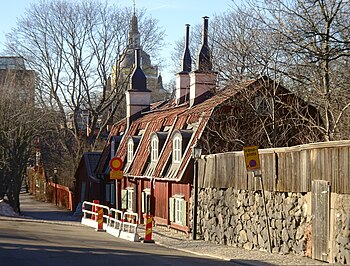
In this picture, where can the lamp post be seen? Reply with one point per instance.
(55, 180)
(196, 154)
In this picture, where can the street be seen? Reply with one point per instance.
(30, 242)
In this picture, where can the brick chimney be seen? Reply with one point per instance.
(202, 80)
(138, 97)
(183, 77)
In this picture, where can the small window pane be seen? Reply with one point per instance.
(130, 151)
(177, 149)
(154, 149)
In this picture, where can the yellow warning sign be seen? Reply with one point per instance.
(251, 156)
(116, 174)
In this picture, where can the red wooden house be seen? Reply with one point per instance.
(155, 141)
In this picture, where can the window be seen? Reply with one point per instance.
(129, 199)
(177, 148)
(146, 201)
(178, 210)
(130, 153)
(154, 148)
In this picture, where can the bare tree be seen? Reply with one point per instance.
(315, 45)
(263, 113)
(303, 45)
(73, 47)
(20, 124)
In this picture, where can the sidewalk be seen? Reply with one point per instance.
(171, 239)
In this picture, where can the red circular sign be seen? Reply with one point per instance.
(116, 163)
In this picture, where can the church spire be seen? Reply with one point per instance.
(134, 34)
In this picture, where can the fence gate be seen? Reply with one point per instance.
(320, 219)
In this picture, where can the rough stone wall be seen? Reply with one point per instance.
(341, 249)
(237, 218)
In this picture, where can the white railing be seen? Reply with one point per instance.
(129, 226)
(90, 211)
(115, 222)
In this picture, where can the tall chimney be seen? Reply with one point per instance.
(138, 97)
(202, 80)
(183, 78)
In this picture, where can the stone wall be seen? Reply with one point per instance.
(237, 218)
(341, 243)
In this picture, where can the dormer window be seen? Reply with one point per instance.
(157, 141)
(180, 141)
(177, 148)
(130, 153)
(154, 148)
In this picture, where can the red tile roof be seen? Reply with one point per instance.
(173, 116)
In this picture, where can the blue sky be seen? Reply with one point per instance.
(172, 15)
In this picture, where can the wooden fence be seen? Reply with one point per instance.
(290, 169)
(48, 191)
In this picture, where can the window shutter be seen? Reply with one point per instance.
(134, 199)
(172, 209)
(143, 203)
(124, 198)
(184, 212)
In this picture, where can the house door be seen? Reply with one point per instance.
(320, 219)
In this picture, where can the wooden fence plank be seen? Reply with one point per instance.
(289, 169)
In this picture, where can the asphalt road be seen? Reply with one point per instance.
(30, 242)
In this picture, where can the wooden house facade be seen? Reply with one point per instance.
(155, 141)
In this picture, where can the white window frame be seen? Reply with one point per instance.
(145, 202)
(154, 148)
(130, 153)
(130, 196)
(178, 210)
(177, 148)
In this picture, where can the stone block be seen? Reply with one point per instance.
(284, 249)
(300, 232)
(342, 240)
(279, 225)
(248, 246)
(285, 235)
(261, 241)
(243, 236)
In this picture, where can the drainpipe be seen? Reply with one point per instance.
(196, 154)
(195, 200)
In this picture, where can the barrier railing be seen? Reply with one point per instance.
(115, 222)
(90, 217)
(129, 226)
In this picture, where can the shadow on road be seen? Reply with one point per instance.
(45, 255)
(31, 208)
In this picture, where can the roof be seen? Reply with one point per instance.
(166, 117)
(91, 160)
